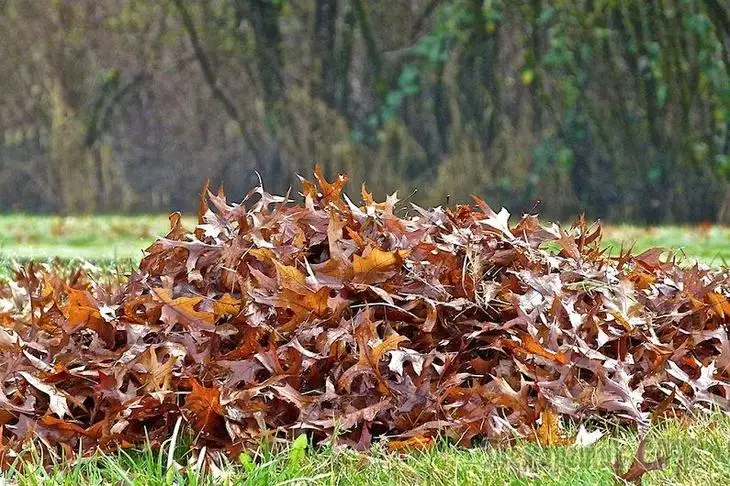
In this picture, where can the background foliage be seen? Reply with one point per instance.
(620, 108)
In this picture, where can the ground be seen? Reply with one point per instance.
(697, 450)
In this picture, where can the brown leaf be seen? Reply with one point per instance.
(57, 398)
(331, 192)
(639, 465)
(204, 406)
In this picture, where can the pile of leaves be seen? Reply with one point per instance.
(274, 318)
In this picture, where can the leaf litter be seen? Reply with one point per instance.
(275, 318)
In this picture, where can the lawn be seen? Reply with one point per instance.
(697, 450)
(109, 238)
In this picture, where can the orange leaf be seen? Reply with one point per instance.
(262, 254)
(291, 277)
(367, 197)
(82, 311)
(370, 267)
(416, 443)
(531, 346)
(719, 304)
(205, 406)
(61, 426)
(549, 431)
(308, 189)
(315, 302)
(391, 342)
(183, 309)
(331, 192)
(226, 304)
(356, 237)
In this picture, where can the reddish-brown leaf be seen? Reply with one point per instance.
(204, 406)
(639, 465)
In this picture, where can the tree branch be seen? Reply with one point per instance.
(370, 44)
(425, 15)
(211, 78)
(722, 16)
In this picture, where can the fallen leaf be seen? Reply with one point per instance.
(375, 264)
(639, 465)
(204, 407)
(57, 398)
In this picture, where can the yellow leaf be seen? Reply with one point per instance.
(226, 304)
(262, 254)
(374, 262)
(290, 277)
(185, 307)
(719, 304)
(549, 431)
(416, 443)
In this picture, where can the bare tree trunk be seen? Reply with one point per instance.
(72, 164)
(325, 33)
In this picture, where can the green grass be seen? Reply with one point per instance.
(91, 237)
(709, 244)
(111, 238)
(698, 452)
(112, 243)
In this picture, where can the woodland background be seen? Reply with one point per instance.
(619, 108)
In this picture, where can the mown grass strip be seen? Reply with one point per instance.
(697, 450)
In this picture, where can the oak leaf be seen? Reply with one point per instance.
(183, 310)
(376, 265)
(204, 406)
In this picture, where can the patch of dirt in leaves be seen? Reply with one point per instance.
(274, 318)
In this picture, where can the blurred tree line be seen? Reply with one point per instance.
(619, 108)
